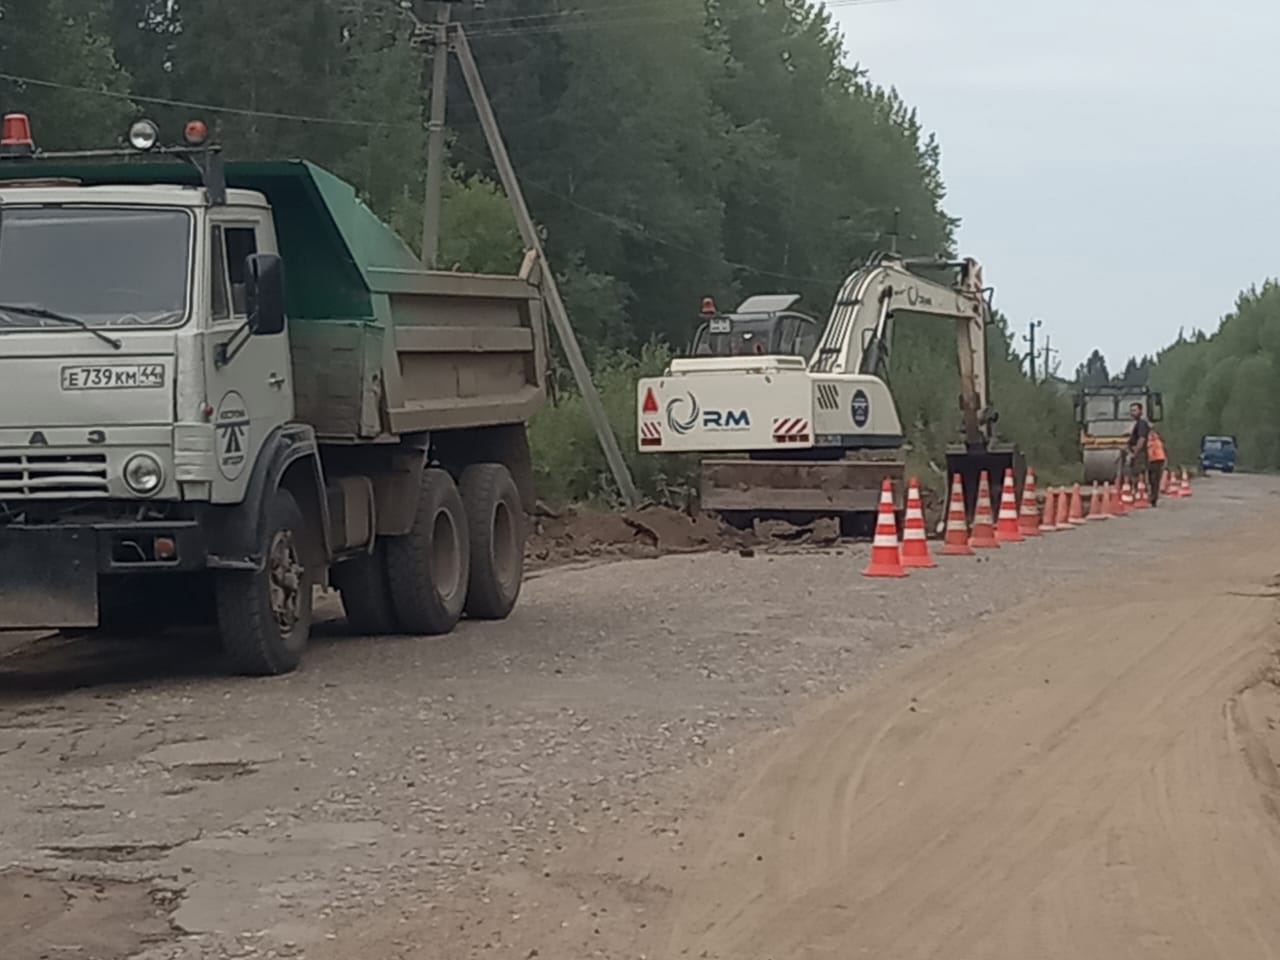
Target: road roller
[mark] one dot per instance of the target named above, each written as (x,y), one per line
(1105,424)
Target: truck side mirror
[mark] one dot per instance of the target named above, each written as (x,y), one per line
(264,293)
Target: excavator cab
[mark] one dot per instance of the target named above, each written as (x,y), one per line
(763,325)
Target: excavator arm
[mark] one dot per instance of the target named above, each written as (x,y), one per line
(859,333)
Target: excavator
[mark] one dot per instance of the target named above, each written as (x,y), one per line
(806,429)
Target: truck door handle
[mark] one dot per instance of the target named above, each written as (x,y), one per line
(276,380)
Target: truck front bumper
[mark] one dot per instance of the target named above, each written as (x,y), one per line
(49,573)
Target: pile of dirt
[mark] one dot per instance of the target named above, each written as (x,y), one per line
(581,533)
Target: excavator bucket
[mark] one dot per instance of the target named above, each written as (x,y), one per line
(995,460)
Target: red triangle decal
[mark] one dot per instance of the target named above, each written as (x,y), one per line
(650,404)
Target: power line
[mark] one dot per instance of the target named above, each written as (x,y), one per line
(515,22)
(596,23)
(194,105)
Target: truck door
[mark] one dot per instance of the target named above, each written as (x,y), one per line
(249,388)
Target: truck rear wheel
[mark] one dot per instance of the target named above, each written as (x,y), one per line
(264,617)
(427,568)
(495,522)
(366,596)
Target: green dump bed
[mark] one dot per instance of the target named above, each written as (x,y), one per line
(380,345)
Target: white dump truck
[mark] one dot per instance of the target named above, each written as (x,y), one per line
(222,384)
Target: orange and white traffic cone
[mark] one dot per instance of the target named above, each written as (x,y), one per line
(886,556)
(1186,483)
(915,545)
(1097,506)
(983,535)
(955,541)
(1164,483)
(1064,509)
(1175,484)
(1076,515)
(1007,521)
(1049,520)
(1126,497)
(1029,510)
(1142,502)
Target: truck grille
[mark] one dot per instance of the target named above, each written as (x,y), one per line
(53,476)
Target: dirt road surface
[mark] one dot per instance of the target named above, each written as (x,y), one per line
(1067,748)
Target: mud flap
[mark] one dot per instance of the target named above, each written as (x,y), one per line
(995,460)
(48,578)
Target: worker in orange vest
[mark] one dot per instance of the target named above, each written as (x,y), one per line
(1155,465)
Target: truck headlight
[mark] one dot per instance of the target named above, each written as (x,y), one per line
(143,474)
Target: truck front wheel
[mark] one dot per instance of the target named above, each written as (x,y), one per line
(495,521)
(264,617)
(427,568)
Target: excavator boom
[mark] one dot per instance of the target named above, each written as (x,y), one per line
(858,336)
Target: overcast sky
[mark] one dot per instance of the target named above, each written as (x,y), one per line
(1114,163)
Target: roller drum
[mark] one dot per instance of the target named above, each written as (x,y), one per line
(1101,465)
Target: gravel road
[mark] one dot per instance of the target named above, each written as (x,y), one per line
(546,787)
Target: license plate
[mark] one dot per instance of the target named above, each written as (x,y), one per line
(720,325)
(120,376)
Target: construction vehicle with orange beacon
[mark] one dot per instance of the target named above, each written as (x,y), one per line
(231,382)
(1102,413)
(812,430)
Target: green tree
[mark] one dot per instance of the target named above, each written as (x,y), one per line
(64,45)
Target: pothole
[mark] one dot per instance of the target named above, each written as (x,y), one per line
(45,917)
(217,770)
(109,852)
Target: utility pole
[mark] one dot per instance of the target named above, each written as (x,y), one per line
(449,37)
(1030,337)
(435,139)
(1048,357)
(529,236)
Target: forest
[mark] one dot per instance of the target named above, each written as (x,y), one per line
(1212,384)
(669,149)
(1226,382)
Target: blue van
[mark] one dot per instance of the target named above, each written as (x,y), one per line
(1218,453)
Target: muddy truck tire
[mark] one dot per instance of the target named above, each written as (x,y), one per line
(264,616)
(428,568)
(495,524)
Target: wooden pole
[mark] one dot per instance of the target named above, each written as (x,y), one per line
(529,235)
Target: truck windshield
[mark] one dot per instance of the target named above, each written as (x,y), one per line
(110,267)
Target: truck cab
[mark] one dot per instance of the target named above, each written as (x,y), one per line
(118,306)
(1218,453)
(225,384)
